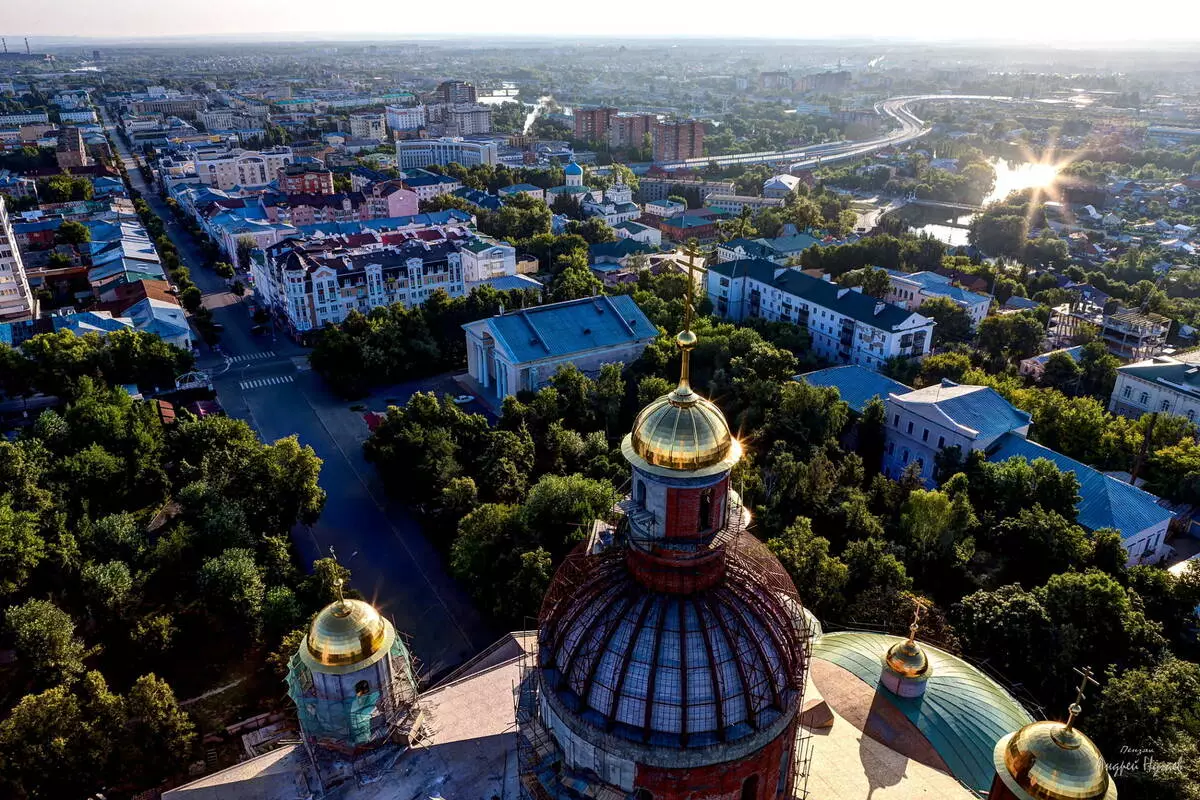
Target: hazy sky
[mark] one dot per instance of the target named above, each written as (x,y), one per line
(1037,20)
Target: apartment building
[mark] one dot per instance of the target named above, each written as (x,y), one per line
(452,93)
(627,129)
(467,119)
(71,151)
(186,106)
(405,118)
(16,301)
(1160,384)
(846,326)
(248,169)
(678,140)
(314,288)
(13,120)
(305,177)
(591,124)
(735,203)
(368,126)
(484,259)
(413,153)
(911,289)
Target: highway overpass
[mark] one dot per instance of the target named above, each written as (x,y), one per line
(894,108)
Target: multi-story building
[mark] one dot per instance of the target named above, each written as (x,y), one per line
(1161,384)
(405,118)
(677,140)
(368,126)
(71,151)
(591,124)
(484,259)
(314,288)
(445,150)
(922,423)
(11,120)
(305,177)
(653,187)
(248,169)
(76,117)
(627,129)
(468,118)
(846,326)
(1128,334)
(428,185)
(454,92)
(16,301)
(911,289)
(186,106)
(734,203)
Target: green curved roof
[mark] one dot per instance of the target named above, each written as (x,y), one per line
(963,713)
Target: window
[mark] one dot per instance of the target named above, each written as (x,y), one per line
(904,457)
(705,509)
(925,435)
(750,788)
(941,442)
(891,448)
(1145,398)
(643,794)
(1128,391)
(361,688)
(910,426)
(1191,415)
(641,493)
(1166,405)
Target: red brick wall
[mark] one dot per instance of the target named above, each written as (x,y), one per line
(720,781)
(683,509)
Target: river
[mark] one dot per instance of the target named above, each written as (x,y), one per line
(1011,176)
(508,94)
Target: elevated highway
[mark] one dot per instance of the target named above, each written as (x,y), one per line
(896,109)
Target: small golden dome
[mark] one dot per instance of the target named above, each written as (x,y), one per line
(1051,761)
(907,659)
(346,636)
(682,431)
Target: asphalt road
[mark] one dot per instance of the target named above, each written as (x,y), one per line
(265,380)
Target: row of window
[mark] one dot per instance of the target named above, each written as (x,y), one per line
(1165,405)
(924,434)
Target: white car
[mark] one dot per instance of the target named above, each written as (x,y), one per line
(463,399)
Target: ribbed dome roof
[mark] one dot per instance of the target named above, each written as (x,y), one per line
(346,636)
(573,169)
(678,670)
(683,432)
(1047,761)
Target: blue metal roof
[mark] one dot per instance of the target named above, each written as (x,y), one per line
(941,285)
(980,408)
(574,326)
(962,714)
(1104,502)
(857,385)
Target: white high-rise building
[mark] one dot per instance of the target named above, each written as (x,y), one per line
(405,118)
(16,301)
(423,152)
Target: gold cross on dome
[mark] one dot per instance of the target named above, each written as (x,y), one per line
(1075,709)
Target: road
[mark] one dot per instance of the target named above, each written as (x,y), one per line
(266,381)
(897,109)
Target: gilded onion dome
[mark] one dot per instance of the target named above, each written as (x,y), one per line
(346,636)
(682,430)
(1053,761)
(907,659)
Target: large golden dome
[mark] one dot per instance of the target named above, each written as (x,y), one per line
(1051,761)
(682,431)
(346,636)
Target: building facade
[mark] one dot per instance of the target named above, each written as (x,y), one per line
(678,140)
(405,118)
(306,178)
(16,301)
(484,259)
(1128,334)
(911,289)
(521,350)
(467,119)
(591,124)
(455,92)
(846,325)
(71,151)
(244,168)
(1161,385)
(368,126)
(415,153)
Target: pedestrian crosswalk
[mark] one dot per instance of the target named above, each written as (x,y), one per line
(252,356)
(259,383)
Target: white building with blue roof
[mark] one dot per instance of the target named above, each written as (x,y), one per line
(922,422)
(521,350)
(911,289)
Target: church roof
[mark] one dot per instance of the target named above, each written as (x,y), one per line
(572,169)
(962,714)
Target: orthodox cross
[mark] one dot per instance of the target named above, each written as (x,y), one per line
(918,609)
(1085,676)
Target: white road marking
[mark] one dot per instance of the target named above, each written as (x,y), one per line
(259,383)
(252,356)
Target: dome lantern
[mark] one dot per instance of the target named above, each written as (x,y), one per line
(906,669)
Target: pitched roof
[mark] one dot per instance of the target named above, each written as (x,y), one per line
(857,385)
(1166,371)
(979,408)
(619,249)
(941,285)
(848,302)
(1104,502)
(574,326)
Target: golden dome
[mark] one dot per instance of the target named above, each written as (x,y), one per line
(1051,761)
(907,659)
(683,431)
(346,636)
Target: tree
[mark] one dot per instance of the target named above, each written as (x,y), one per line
(573,283)
(245,246)
(953,323)
(1012,336)
(232,588)
(191,298)
(1009,627)
(1035,544)
(806,558)
(44,639)
(22,548)
(1099,369)
(874,281)
(951,366)
(1062,372)
(160,735)
(223,269)
(806,416)
(73,233)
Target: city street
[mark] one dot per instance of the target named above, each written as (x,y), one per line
(265,380)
